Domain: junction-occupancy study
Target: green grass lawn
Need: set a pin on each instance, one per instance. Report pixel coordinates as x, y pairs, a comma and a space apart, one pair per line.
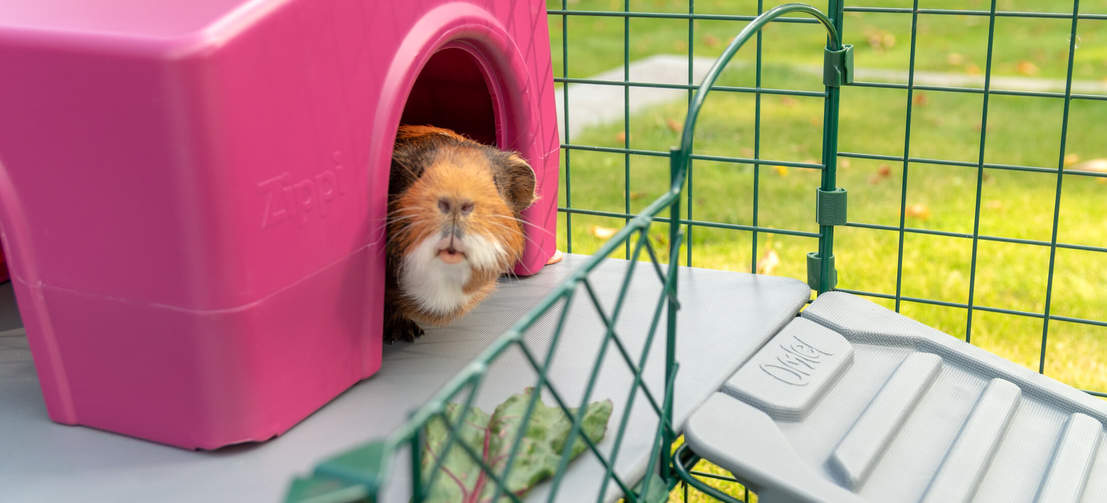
1020, 130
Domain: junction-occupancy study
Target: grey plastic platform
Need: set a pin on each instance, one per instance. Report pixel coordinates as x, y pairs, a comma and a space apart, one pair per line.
855, 403
725, 317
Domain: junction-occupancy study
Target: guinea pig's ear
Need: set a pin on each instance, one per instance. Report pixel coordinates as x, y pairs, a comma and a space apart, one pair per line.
514, 179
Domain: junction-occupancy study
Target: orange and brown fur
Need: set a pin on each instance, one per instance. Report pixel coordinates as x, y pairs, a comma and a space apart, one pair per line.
454, 226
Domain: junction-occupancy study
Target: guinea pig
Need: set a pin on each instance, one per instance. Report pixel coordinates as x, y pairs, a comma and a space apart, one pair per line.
454, 226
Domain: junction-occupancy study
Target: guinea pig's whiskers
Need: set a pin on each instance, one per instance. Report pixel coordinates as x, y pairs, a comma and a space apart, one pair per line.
397, 216
510, 219
526, 223
507, 228
393, 221
403, 234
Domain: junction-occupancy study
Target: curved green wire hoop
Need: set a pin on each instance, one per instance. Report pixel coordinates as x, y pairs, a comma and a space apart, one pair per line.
834, 43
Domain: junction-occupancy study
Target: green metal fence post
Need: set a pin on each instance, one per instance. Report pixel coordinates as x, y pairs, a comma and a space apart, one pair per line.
831, 201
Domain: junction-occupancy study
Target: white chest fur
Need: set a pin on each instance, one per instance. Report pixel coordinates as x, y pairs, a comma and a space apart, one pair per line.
435, 285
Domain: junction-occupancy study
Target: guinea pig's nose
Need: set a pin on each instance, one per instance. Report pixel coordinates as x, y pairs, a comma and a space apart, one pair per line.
449, 205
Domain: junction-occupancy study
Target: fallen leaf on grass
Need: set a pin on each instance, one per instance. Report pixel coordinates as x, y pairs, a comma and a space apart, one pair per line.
711, 41
602, 232
674, 125
621, 136
781, 170
955, 59
768, 262
1071, 159
918, 210
972, 69
788, 101
461, 478
1026, 68
1096, 165
920, 99
843, 163
994, 205
634, 196
880, 39
888, 39
882, 173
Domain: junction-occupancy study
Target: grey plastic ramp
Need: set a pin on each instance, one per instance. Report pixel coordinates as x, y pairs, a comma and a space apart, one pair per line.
855, 403
968, 458
1072, 462
725, 317
874, 429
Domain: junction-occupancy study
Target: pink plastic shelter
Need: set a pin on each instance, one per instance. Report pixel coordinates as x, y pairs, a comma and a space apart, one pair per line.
192, 192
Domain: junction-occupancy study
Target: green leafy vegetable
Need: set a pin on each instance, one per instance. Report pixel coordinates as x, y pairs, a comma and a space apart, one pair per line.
462, 478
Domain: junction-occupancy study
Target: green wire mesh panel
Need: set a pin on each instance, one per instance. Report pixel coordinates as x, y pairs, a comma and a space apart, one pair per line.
1013, 243
970, 142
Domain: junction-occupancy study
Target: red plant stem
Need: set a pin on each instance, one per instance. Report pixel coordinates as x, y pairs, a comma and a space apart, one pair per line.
482, 479
465, 494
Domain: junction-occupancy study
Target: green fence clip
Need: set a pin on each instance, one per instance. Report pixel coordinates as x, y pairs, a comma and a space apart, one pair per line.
830, 207
814, 272
838, 66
